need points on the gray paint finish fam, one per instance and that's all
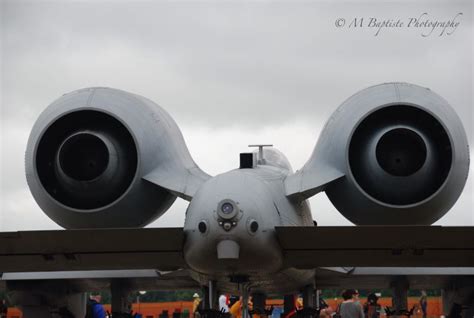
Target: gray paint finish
(330, 159)
(253, 223)
(161, 151)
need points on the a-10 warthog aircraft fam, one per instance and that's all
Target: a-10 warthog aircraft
(101, 162)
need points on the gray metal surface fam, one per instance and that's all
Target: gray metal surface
(381, 155)
(410, 271)
(138, 273)
(109, 249)
(177, 280)
(101, 157)
(144, 138)
(377, 246)
(258, 196)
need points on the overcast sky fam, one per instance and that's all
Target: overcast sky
(230, 74)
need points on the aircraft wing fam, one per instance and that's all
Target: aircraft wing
(94, 249)
(377, 246)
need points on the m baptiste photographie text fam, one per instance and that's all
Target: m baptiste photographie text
(424, 23)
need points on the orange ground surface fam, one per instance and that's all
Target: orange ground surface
(153, 310)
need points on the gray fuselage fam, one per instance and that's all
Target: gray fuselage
(243, 241)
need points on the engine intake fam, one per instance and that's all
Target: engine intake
(392, 154)
(401, 148)
(88, 154)
(86, 159)
(85, 156)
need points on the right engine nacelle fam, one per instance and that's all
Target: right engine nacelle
(402, 151)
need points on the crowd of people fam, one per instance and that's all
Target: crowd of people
(350, 307)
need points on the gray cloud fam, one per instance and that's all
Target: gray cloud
(228, 72)
(276, 60)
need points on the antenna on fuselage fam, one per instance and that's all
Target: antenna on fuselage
(260, 159)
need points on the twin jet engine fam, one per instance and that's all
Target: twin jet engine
(392, 154)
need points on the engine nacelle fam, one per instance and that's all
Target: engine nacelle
(88, 153)
(398, 154)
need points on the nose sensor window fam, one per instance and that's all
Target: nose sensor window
(227, 209)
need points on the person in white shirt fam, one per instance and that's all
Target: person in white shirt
(223, 304)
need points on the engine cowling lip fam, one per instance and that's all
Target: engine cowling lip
(354, 181)
(68, 112)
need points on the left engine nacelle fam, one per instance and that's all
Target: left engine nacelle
(87, 154)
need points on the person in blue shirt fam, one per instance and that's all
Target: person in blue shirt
(94, 307)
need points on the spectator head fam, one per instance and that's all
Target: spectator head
(372, 299)
(350, 294)
(96, 296)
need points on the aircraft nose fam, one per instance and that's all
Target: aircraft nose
(230, 228)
